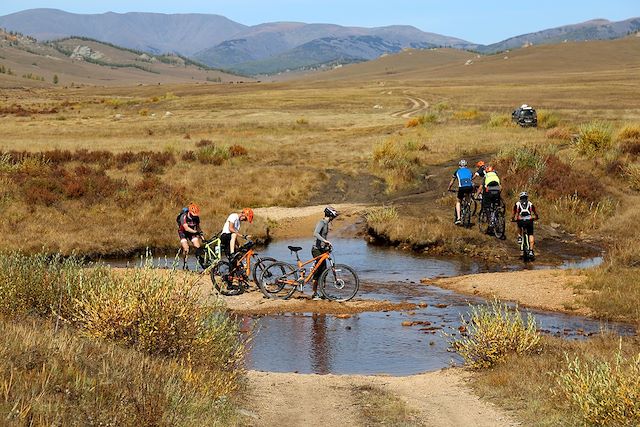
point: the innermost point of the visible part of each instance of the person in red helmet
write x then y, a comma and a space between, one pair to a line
189, 230
231, 230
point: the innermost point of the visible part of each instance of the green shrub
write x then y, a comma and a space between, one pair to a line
500, 120
603, 393
381, 215
594, 138
397, 160
212, 155
494, 332
547, 119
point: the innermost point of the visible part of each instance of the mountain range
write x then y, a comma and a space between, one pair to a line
273, 47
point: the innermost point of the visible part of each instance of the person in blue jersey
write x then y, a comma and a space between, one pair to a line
464, 176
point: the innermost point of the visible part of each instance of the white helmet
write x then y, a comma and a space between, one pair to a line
330, 212
462, 163
524, 195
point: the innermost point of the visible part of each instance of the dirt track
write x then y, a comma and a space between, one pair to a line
418, 105
439, 398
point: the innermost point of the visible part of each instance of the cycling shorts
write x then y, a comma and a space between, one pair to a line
186, 235
462, 191
527, 225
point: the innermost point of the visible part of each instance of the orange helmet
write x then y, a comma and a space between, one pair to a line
489, 169
480, 164
194, 209
248, 212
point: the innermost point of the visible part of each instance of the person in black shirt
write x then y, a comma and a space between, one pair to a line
321, 245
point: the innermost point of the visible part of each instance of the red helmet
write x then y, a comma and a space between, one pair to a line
489, 169
194, 209
248, 213
480, 164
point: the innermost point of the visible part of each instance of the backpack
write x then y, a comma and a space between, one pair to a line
179, 217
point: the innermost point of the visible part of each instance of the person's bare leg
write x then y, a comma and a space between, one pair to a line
185, 252
458, 210
532, 242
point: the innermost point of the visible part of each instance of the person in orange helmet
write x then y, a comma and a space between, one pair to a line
231, 230
189, 230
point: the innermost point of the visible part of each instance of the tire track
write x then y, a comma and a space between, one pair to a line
418, 105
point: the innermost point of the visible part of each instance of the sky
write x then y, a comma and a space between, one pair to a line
479, 21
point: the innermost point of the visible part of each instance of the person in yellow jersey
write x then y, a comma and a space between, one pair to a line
491, 188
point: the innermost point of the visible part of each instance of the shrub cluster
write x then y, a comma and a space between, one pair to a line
603, 393
20, 111
495, 332
398, 160
594, 138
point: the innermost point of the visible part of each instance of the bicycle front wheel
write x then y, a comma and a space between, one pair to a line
483, 221
260, 264
222, 280
499, 226
279, 280
339, 283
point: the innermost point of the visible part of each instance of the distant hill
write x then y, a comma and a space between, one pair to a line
531, 64
597, 29
151, 32
24, 62
275, 47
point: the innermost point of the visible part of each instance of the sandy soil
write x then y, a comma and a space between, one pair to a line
440, 398
300, 221
544, 289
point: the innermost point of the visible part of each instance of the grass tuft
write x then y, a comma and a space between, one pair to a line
494, 332
594, 138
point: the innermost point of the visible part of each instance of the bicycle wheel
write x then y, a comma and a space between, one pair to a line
339, 283
499, 224
525, 245
465, 213
222, 280
279, 280
483, 221
258, 267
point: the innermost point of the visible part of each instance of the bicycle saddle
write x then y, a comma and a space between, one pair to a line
294, 248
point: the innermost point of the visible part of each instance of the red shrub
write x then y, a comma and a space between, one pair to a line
204, 143
237, 151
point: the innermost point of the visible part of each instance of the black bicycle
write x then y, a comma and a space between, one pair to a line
525, 248
468, 207
491, 219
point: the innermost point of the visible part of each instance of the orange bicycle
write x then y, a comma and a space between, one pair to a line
248, 264
280, 280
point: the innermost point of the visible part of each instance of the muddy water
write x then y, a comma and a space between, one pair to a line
378, 343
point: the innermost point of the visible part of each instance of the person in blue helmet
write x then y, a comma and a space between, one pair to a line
464, 176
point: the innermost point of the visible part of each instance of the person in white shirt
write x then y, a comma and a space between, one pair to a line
231, 230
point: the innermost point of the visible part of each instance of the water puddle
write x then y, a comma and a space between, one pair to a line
377, 342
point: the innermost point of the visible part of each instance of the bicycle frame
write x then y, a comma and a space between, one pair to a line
326, 256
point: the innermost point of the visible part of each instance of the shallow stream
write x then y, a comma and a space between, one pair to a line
376, 342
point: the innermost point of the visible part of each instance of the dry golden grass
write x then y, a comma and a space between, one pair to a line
380, 407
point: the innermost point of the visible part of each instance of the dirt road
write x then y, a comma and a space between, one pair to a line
437, 399
418, 105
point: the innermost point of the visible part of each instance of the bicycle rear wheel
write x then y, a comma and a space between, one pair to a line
279, 280
499, 225
483, 221
259, 266
223, 281
339, 283
465, 213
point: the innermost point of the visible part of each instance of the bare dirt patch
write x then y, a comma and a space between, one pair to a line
440, 398
552, 290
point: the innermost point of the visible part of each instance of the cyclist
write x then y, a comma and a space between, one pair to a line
189, 230
465, 185
480, 172
491, 187
231, 230
524, 212
321, 245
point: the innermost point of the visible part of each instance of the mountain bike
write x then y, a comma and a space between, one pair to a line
247, 263
468, 207
207, 255
491, 218
527, 253
338, 282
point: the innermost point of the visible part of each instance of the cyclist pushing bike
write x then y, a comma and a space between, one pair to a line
189, 230
524, 212
491, 188
464, 176
321, 246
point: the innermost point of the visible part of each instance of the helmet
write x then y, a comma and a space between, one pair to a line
194, 209
248, 212
480, 164
330, 212
489, 169
524, 195
462, 163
